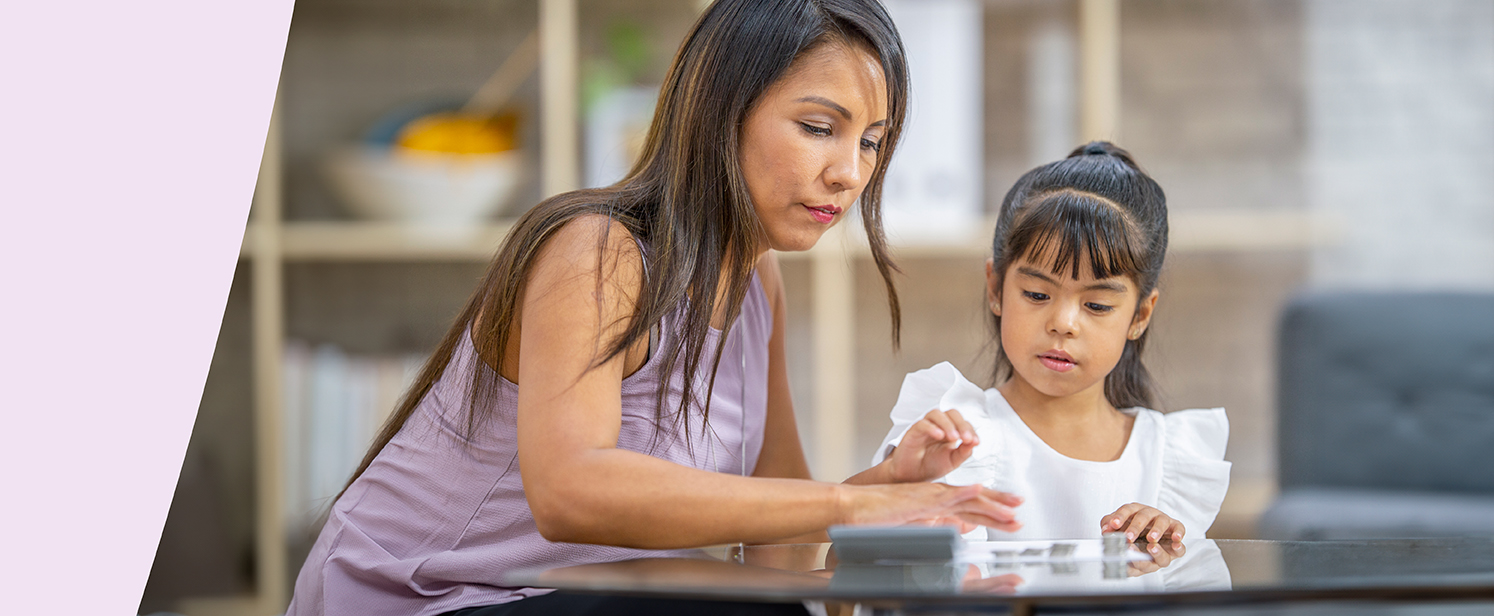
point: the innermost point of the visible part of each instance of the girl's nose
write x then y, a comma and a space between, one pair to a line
1064, 320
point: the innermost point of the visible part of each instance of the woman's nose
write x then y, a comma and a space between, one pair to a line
844, 169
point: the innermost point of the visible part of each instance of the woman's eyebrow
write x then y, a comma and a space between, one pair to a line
834, 106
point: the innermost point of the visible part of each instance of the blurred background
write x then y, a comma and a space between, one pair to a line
1303, 145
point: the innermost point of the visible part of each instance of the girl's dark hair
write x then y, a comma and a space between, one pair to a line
686, 198
1096, 203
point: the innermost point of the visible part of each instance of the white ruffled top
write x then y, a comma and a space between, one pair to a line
1173, 461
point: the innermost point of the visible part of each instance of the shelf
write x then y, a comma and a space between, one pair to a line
1195, 231
381, 241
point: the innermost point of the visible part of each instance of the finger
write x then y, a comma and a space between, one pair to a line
983, 504
1177, 532
960, 454
1160, 528
1117, 521
1006, 526
1141, 567
1136, 528
969, 503
938, 418
1004, 584
929, 430
1177, 550
1005, 498
1161, 556
967, 431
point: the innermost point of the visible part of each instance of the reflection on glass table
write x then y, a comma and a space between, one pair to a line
1022, 575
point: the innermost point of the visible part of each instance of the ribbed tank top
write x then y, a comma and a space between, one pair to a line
436, 519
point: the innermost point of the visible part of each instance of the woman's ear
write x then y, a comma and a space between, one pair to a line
1143, 315
993, 287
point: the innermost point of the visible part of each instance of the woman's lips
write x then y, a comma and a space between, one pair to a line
1057, 361
823, 214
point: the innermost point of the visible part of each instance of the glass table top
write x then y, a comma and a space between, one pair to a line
1057, 572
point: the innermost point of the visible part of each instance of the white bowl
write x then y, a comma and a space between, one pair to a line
379, 183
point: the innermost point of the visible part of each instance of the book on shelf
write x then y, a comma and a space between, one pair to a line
334, 404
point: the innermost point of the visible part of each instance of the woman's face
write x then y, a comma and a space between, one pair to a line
810, 143
1063, 336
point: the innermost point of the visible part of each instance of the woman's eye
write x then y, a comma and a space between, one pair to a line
815, 130
1035, 296
869, 144
1102, 308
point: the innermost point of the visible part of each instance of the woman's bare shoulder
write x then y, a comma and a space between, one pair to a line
589, 235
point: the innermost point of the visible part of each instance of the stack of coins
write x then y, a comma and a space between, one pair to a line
1115, 543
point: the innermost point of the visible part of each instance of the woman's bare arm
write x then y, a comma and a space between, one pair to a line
582, 488
783, 453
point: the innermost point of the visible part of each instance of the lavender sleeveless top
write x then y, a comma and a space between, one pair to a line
435, 520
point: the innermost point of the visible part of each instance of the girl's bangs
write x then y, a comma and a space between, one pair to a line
1065, 227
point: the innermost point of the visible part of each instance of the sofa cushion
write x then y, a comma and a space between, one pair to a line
1388, 391
1326, 513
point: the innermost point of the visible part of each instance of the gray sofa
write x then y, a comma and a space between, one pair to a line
1386, 417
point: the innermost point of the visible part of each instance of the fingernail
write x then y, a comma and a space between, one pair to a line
1154, 549
1130, 536
1177, 536
1156, 536
1116, 522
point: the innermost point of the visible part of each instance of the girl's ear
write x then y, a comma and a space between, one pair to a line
993, 287
1143, 315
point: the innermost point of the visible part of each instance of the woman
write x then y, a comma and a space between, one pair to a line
553, 426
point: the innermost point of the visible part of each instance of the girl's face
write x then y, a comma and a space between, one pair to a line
1063, 336
809, 144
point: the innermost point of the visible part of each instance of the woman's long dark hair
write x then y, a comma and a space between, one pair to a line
1095, 204
685, 199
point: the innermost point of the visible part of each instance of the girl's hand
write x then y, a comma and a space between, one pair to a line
936, 445
1162, 556
929, 503
1139, 521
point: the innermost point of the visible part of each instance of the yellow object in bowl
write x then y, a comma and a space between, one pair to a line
455, 133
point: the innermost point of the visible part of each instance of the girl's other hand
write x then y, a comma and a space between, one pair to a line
1139, 521
929, 503
931, 448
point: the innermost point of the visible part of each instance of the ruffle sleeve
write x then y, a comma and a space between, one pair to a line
938, 387
1195, 476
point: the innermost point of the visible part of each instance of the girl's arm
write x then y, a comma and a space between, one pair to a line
582, 488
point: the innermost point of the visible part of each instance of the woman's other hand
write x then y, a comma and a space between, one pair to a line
929, 503
931, 448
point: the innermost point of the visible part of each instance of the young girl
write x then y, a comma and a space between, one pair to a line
1071, 286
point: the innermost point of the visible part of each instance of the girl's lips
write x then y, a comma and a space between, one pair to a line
1057, 361
823, 214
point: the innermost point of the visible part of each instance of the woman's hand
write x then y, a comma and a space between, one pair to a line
931, 448
929, 503
1139, 521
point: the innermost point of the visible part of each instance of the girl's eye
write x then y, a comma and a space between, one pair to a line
815, 130
1035, 296
1101, 308
875, 146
